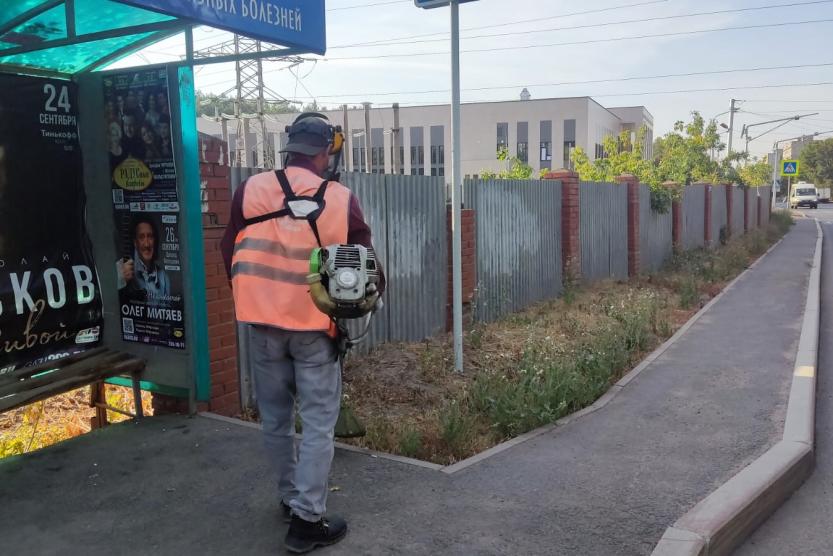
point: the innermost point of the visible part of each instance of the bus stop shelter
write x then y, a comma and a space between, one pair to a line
101, 241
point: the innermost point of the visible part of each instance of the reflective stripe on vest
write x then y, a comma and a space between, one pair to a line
271, 259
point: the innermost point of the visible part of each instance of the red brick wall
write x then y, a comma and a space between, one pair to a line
730, 203
632, 184
570, 224
469, 266
676, 217
222, 332
746, 222
707, 230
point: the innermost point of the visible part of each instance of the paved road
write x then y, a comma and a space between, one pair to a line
804, 525
608, 483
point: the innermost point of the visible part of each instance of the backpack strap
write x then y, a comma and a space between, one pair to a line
290, 195
313, 218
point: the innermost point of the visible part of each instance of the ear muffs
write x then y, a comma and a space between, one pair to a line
337, 142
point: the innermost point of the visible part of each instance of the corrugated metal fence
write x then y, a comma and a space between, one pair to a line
604, 230
518, 244
694, 222
719, 215
655, 233
408, 217
737, 211
766, 202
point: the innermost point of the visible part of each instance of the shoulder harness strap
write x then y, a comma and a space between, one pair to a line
289, 196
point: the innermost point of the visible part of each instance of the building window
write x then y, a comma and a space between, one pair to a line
417, 151
546, 151
545, 156
502, 137
523, 142
569, 142
400, 162
523, 152
377, 151
437, 150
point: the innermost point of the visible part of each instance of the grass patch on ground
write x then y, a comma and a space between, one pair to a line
60, 417
534, 367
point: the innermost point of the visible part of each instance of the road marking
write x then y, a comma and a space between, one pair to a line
805, 371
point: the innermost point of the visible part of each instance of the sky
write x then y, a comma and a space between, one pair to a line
521, 45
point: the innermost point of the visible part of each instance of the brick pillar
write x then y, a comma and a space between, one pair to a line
760, 205
469, 262
730, 204
745, 209
676, 216
222, 327
632, 183
570, 223
707, 215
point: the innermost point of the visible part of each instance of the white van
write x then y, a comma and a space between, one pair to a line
804, 194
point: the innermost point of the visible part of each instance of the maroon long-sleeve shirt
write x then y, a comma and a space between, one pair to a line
358, 232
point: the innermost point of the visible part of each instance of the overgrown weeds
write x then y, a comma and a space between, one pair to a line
534, 367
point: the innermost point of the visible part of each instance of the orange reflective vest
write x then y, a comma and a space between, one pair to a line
271, 256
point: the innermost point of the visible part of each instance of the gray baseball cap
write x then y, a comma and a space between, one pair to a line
309, 135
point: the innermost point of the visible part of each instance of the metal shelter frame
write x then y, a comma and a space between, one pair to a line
25, 33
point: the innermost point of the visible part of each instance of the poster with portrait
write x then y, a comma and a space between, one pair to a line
145, 207
50, 300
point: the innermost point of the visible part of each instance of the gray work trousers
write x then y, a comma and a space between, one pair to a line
303, 366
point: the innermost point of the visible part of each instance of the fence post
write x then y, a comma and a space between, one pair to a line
730, 209
745, 209
570, 223
707, 214
469, 262
676, 217
759, 209
633, 222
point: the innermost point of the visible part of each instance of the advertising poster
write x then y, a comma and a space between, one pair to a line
145, 207
50, 301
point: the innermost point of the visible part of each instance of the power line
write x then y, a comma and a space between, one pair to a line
517, 22
360, 6
591, 41
594, 25
584, 82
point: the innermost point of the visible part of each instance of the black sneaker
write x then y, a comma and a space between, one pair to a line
304, 536
286, 512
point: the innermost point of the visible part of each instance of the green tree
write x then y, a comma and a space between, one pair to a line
622, 156
756, 173
207, 102
684, 155
817, 162
514, 168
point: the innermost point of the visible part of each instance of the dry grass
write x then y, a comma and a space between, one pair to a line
414, 404
58, 418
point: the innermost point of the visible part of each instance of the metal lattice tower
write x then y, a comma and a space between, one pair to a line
249, 88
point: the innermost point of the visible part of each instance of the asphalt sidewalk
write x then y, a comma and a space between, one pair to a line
607, 483
803, 525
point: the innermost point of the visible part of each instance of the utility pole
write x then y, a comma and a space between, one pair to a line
396, 141
732, 111
367, 142
347, 139
248, 88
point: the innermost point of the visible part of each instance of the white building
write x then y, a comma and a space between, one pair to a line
539, 132
792, 150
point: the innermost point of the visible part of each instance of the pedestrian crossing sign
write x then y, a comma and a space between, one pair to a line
789, 167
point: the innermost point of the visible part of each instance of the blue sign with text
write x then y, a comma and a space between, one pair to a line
428, 4
292, 23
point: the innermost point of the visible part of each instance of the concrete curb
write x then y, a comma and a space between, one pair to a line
725, 518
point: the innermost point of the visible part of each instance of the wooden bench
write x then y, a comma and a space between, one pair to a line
92, 367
